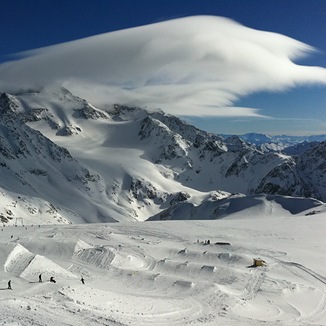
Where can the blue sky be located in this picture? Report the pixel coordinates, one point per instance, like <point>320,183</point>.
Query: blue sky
<point>32,24</point>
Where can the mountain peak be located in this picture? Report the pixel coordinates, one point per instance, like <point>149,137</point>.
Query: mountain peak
<point>8,102</point>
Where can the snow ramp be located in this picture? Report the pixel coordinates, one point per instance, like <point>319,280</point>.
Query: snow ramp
<point>23,263</point>
<point>18,260</point>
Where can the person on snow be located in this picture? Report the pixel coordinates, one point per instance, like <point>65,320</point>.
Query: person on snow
<point>82,280</point>
<point>40,278</point>
<point>9,285</point>
<point>52,279</point>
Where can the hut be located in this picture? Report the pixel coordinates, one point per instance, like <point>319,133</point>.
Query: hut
<point>259,262</point>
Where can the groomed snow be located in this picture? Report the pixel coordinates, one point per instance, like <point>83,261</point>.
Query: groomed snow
<point>163,273</point>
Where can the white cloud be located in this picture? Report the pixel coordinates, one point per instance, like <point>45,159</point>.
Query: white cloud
<point>191,66</point>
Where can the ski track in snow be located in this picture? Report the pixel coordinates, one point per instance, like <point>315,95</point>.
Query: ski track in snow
<point>154,274</point>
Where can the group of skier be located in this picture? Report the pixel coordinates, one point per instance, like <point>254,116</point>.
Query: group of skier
<point>52,280</point>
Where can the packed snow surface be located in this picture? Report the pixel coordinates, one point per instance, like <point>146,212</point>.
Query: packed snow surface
<point>167,272</point>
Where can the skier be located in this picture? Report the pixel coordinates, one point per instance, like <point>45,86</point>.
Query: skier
<point>52,279</point>
<point>82,280</point>
<point>9,285</point>
<point>40,278</point>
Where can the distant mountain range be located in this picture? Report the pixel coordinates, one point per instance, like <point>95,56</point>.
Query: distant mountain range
<point>259,139</point>
<point>288,144</point>
<point>63,160</point>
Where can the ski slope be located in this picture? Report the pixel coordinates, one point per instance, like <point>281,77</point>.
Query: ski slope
<point>163,273</point>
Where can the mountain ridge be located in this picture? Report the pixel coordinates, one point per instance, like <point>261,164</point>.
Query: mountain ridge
<point>127,163</point>
<point>285,143</point>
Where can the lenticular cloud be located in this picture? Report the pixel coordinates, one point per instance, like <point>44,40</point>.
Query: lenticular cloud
<point>191,66</point>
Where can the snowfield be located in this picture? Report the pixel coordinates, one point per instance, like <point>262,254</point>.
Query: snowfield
<point>165,273</point>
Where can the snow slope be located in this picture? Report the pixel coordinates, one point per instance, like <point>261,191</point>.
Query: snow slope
<point>165,273</point>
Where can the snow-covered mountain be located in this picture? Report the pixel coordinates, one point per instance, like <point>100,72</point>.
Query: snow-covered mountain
<point>122,163</point>
<point>287,144</point>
